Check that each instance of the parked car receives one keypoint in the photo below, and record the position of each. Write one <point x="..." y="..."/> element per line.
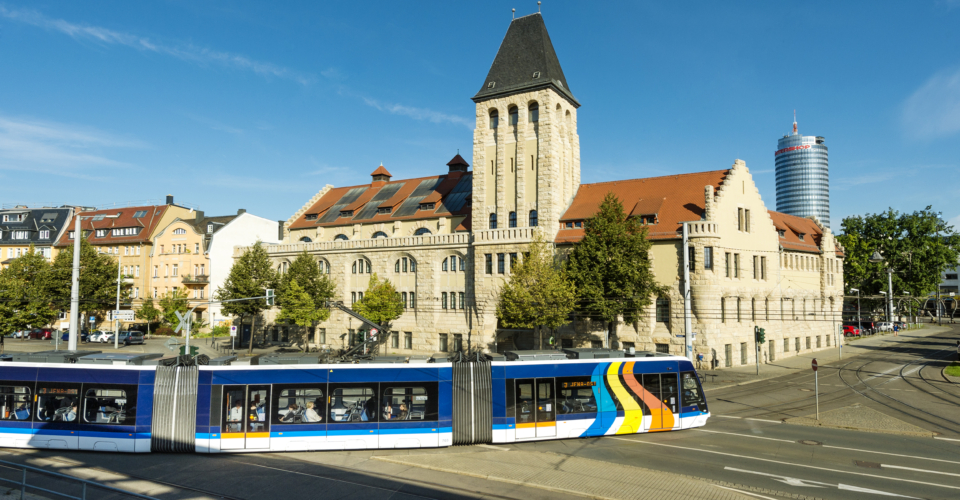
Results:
<point x="22" y="334"/>
<point x="105" y="337"/>
<point x="850" y="331"/>
<point x="41" y="333"/>
<point x="84" y="336"/>
<point x="133" y="337"/>
<point x="884" y="326"/>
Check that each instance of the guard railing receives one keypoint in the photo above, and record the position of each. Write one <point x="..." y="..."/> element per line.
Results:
<point x="84" y="484"/>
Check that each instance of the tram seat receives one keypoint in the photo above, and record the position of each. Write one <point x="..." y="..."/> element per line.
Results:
<point x="415" y="415"/>
<point x="22" y="414"/>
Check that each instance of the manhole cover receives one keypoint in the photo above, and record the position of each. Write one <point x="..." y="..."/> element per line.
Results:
<point x="807" y="390"/>
<point x="810" y="442"/>
<point x="869" y="465"/>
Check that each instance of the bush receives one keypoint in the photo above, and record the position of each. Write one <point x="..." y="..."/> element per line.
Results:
<point x="164" y="331"/>
<point x="953" y="370"/>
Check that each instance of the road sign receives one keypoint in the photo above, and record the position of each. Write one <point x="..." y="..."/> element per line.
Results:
<point x="122" y="315"/>
<point x="182" y="325"/>
<point x="93" y="319"/>
<point x="813" y="364"/>
<point x="233" y="331"/>
<point x="373" y="334"/>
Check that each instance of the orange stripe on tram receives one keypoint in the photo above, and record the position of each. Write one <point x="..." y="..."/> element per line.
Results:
<point x="658" y="410"/>
<point x="633" y="413"/>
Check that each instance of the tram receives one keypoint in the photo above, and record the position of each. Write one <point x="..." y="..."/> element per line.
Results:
<point x="391" y="402"/>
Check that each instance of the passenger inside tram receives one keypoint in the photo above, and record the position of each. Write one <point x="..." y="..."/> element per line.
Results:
<point x="404" y="414"/>
<point x="311" y="415"/>
<point x="293" y="411"/>
<point x="235" y="417"/>
<point x="388" y="412"/>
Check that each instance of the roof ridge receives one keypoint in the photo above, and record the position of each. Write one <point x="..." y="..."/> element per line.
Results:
<point x="658" y="177"/>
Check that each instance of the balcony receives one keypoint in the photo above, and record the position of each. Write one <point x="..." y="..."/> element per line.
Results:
<point x="200" y="279"/>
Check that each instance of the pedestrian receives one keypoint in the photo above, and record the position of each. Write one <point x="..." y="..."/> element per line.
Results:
<point x="699" y="361"/>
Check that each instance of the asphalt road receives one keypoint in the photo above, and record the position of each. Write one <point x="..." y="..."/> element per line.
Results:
<point x="746" y="443"/>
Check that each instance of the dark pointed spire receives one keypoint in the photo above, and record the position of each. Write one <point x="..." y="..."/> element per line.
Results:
<point x="526" y="61"/>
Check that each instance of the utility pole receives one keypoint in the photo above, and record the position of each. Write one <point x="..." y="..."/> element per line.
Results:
<point x="116" y="312"/>
<point x="75" y="289"/>
<point x="687" y="327"/>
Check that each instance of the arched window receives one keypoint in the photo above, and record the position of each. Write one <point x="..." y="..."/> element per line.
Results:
<point x="663" y="310"/>
<point x="359" y="265"/>
<point x="180" y="231"/>
<point x="514" y="115"/>
<point x="494" y="119"/>
<point x="306" y="239"/>
<point x="513" y="219"/>
<point x="340" y="237"/>
<point x="533" y="218"/>
<point x="421" y="232"/>
<point x="379" y="234"/>
<point x="493" y="221"/>
<point x="324" y="266"/>
<point x="534" y="111"/>
<point x="405" y="264"/>
<point x="443" y="265"/>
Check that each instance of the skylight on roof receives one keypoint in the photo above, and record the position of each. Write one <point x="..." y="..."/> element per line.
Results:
<point x="98" y="217"/>
<point x="139" y="214"/>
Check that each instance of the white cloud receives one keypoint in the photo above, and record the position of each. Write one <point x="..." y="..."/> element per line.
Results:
<point x="186" y="52"/>
<point x="418" y="113"/>
<point x="55" y="148"/>
<point x="934" y="109"/>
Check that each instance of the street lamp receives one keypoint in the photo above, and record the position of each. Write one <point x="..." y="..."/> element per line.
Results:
<point x="858" y="309"/>
<point x="75" y="286"/>
<point x="877" y="258"/>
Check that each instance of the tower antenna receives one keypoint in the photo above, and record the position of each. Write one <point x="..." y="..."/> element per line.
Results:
<point x="538" y="7"/>
<point x="794" y="122"/>
<point x="514" y="13"/>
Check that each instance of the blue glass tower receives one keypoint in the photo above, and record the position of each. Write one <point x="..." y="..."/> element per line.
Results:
<point x="803" y="177"/>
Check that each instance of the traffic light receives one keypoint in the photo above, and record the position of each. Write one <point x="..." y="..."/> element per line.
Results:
<point x="761" y="335"/>
<point x="270" y="297"/>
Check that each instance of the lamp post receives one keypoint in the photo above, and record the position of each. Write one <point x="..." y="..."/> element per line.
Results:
<point x="908" y="304"/>
<point x="75" y="281"/>
<point x="886" y="311"/>
<point x="877" y="258"/>
<point x="858" y="309"/>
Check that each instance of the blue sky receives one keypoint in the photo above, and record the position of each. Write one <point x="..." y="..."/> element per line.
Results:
<point x="257" y="105"/>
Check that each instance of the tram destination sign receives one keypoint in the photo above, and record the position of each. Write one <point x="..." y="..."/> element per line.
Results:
<point x="574" y="385"/>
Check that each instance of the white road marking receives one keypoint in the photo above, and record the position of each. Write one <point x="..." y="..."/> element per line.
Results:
<point x="745" y="492"/>
<point x="947" y="439"/>
<point x="700" y="450"/>
<point x="886" y="466"/>
<point x="840" y="447"/>
<point x="763" y="420"/>
<point x="725" y="416"/>
<point x="792" y="481"/>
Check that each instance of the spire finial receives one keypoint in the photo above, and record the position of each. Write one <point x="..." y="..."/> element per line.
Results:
<point x="514" y="13"/>
<point x="538" y="6"/>
<point x="794" y="122"/>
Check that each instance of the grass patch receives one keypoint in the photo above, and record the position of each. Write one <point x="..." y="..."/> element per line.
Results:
<point x="953" y="370"/>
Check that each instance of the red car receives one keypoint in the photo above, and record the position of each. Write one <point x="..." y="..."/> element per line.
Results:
<point x="41" y="334"/>
<point x="850" y="331"/>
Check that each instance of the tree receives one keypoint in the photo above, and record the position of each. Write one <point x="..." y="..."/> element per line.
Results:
<point x="610" y="267"/>
<point x="917" y="246"/>
<point x="148" y="313"/>
<point x="381" y="303"/>
<point x="24" y="302"/>
<point x="299" y="309"/>
<point x="250" y="276"/>
<point x="170" y="304"/>
<point x="302" y="281"/>
<point x="98" y="280"/>
<point x="538" y="293"/>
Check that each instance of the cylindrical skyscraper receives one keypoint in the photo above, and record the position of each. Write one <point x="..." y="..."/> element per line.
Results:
<point x="803" y="177"/>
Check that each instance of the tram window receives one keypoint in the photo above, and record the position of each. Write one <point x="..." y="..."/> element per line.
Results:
<point x="691" y="395"/>
<point x="299" y="405"/>
<point x="57" y="403"/>
<point x="409" y="403"/>
<point x="525" y="403"/>
<point x="352" y="404"/>
<point x="15" y="402"/>
<point x="110" y="405"/>
<point x="233" y="407"/>
<point x="576" y="395"/>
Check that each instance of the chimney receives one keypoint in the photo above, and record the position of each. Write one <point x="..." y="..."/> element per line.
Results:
<point x="241" y="211"/>
<point x="169" y="199"/>
<point x="199" y="215"/>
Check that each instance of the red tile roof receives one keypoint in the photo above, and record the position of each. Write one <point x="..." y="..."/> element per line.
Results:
<point x="381" y="171"/>
<point x="672" y="198"/>
<point x="792" y="226"/>
<point x="457" y="160"/>
<point x="148" y="222"/>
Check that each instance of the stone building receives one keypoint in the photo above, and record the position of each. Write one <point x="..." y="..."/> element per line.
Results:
<point x="448" y="241"/>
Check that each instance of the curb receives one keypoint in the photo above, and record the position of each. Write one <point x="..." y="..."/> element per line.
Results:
<point x="948" y="378"/>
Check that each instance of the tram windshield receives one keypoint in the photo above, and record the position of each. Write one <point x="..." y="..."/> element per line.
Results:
<point x="14" y="403"/>
<point x="691" y="394"/>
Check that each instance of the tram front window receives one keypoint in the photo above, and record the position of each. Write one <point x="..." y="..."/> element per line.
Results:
<point x="14" y="403"/>
<point x="691" y="394"/>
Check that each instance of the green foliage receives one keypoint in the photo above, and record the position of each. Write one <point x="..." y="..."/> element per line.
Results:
<point x="250" y="276"/>
<point x="539" y="292"/>
<point x="221" y="331"/>
<point x="918" y="246"/>
<point x="165" y="331"/>
<point x="98" y="280"/>
<point x="170" y="304"/>
<point x="381" y="303"/>
<point x="610" y="266"/>
<point x="305" y="272"/>
<point x="298" y="307"/>
<point x="148" y="313"/>
<point x="24" y="301"/>
<point x="953" y="370"/>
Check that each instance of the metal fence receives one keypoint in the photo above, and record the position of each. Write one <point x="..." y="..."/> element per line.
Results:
<point x="84" y="484"/>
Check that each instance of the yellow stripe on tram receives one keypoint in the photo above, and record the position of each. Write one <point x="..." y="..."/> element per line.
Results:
<point x="633" y="413"/>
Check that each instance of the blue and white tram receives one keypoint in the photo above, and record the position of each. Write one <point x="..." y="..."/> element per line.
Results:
<point x="243" y="408"/>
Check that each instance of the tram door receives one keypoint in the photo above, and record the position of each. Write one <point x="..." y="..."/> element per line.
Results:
<point x="246" y="417"/>
<point x="663" y="386"/>
<point x="536" y="408"/>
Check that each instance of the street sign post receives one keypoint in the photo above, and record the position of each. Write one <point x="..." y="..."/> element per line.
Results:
<point x="816" y="385"/>
<point x="122" y="315"/>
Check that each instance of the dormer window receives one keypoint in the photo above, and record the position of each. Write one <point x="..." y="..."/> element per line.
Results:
<point x="782" y="233"/>
<point x="801" y="236"/>
<point x="427" y="206"/>
<point x="346" y="213"/>
<point x="209" y="228"/>
<point x="648" y="219"/>
<point x="386" y="210"/>
<point x="310" y="217"/>
<point x="101" y="233"/>
<point x="14" y="217"/>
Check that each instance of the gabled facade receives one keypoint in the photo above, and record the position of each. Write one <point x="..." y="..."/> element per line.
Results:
<point x="448" y="242"/>
<point x="22" y="227"/>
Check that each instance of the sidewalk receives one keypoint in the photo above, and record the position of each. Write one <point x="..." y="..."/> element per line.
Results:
<point x="792" y="363"/>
